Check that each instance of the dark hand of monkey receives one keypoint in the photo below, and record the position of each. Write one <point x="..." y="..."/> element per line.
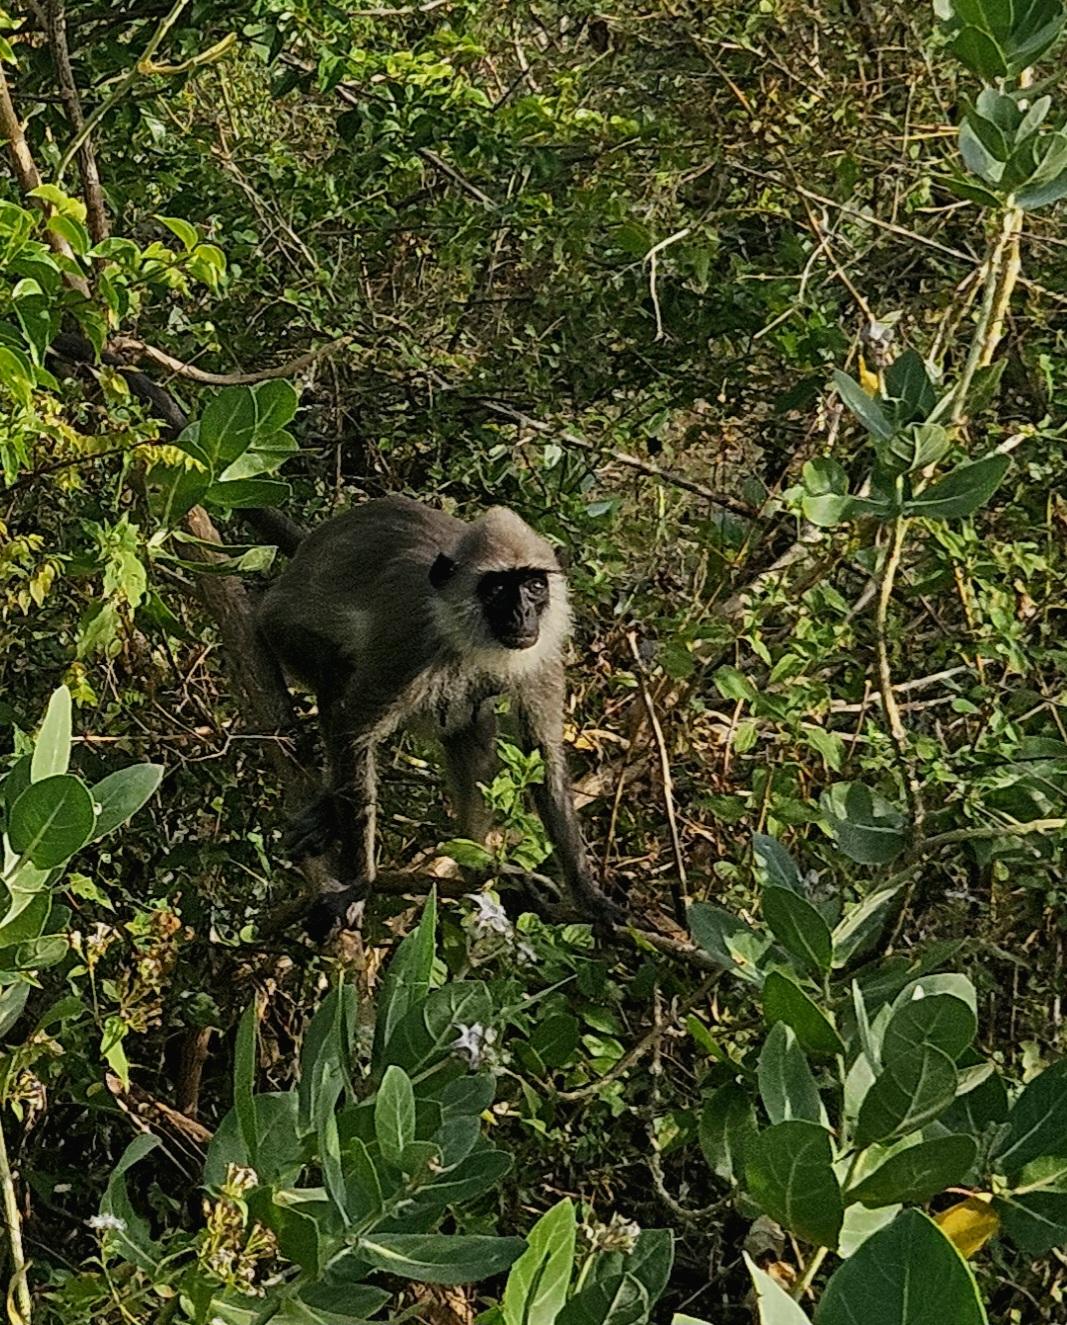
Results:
<point x="332" y="911"/>
<point x="314" y="830"/>
<point x="604" y="914"/>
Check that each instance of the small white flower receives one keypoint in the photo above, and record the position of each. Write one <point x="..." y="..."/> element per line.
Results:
<point x="104" y="1223"/>
<point x="489" y="917"/>
<point x="474" y="1042"/>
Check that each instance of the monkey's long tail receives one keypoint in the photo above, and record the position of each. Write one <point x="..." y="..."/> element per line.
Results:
<point x="276" y="528"/>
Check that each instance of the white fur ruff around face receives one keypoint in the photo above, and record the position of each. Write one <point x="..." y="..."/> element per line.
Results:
<point x="459" y="618"/>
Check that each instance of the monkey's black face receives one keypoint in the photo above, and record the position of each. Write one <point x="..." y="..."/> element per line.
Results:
<point x="513" y="601"/>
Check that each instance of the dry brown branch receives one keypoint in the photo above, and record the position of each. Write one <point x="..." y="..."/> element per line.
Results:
<point x="92" y="190"/>
<point x="130" y="345"/>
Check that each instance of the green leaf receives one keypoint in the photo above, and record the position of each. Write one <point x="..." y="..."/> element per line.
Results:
<point x="861" y="924"/>
<point x="921" y="1279"/>
<point x="120" y="795"/>
<point x="908" y="382"/>
<point x="12" y="1001"/>
<point x="732" y="684"/>
<point x="394" y="1114"/>
<point x="908" y="1093"/>
<point x="866" y="409"/>
<point x="784" y="1000"/>
<point x="623" y="1300"/>
<point x="428" y="1033"/>
<point x="16" y="373"/>
<point x="228" y="424"/>
<point x="131" y="1240"/>
<point x="407" y="978"/>
<point x="727" y="1127"/>
<point x="774" y="1304"/>
<point x="797" y="925"/>
<point x="51" y="751"/>
<point x="244" y="1076"/>
<point x="729" y="940"/>
<point x="325" y="1054"/>
<point x="238" y="493"/>
<point x="917" y="1174"/>
<point x="939" y="1019"/>
<point x="1035" y="1221"/>
<point x="961" y="492"/>
<point x="435" y="1258"/>
<point x="52" y="820"/>
<point x="555" y="1039"/>
<point x="786" y="1085"/>
<point x="1037" y="1124"/>
<point x="775" y="865"/>
<point x="790" y="1174"/>
<point x="280" y="1148"/>
<point x="539" y="1280"/>
<point x="868" y="829"/>
<point x="183" y="230"/>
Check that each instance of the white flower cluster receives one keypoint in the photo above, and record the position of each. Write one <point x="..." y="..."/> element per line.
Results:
<point x="489" y="923"/>
<point x="476" y="1043"/>
<point x="106" y="1223"/>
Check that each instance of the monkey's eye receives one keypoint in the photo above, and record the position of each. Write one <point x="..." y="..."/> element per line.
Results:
<point x="537" y="587"/>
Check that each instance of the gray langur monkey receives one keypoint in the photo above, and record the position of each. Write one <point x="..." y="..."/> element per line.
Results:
<point x="395" y="614"/>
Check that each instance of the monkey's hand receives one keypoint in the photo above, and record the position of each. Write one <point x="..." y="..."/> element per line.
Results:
<point x="342" y="909"/>
<point x="314" y="830"/>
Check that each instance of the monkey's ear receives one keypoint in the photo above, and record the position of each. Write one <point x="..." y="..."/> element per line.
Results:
<point x="442" y="571"/>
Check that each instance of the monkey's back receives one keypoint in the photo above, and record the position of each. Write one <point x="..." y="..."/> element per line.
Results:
<point x="371" y="563"/>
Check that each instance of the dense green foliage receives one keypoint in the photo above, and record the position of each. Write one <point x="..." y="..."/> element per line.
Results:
<point x="757" y="310"/>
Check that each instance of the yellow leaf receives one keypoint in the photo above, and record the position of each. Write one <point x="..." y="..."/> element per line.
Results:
<point x="969" y="1224"/>
<point x="870" y="382"/>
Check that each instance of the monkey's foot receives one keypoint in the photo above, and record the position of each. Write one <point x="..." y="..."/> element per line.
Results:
<point x="604" y="914"/>
<point x="313" y="831"/>
<point x="331" y="911"/>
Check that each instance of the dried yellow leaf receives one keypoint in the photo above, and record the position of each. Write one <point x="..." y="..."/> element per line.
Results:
<point x="969" y="1224"/>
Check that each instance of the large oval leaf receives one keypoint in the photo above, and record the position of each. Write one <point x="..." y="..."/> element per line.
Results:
<point x="961" y="492"/>
<point x="918" y="1173"/>
<point x="939" y="1019"/>
<point x="909" y="1093"/>
<point x="797" y="925"/>
<point x="790" y="1173"/>
<point x="1037" y="1124"/>
<point x="121" y="794"/>
<point x="436" y="1258"/>
<point x="52" y="820"/>
<point x="784" y="1000"/>
<point x="906" y="1274"/>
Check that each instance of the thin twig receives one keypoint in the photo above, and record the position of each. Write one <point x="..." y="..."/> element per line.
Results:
<point x="13" y="1218"/>
<point x="679" y="885"/>
<point x="124" y="85"/>
<point x="92" y="189"/>
<point x="652" y="258"/>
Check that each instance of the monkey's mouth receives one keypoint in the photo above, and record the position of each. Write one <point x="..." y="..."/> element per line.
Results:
<point x="518" y="640"/>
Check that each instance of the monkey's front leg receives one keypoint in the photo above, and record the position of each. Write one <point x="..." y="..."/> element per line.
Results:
<point x="555" y="804"/>
<point x="470" y="760"/>
<point x="354" y="798"/>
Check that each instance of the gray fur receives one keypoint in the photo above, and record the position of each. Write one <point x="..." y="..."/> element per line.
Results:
<point x="355" y="618"/>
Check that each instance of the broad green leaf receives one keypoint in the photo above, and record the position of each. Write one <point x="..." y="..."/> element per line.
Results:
<point x="407" y="977"/>
<point x="774" y="1304"/>
<point x="477" y="1174"/>
<point x="786" y="1085"/>
<point x="429" y="1031"/>
<point x="908" y="382"/>
<point x="860" y="1224"/>
<point x="729" y="940"/>
<point x="1037" y="1124"/>
<point x="538" y="1281"/>
<point x="774" y="865"/>
<point x="276" y="403"/>
<point x="131" y="1238"/>
<point x="555" y="1039"/>
<point x="824" y="475"/>
<point x="281" y="1152"/>
<point x="244" y="1076"/>
<point x="906" y="1274"/>
<point x="623" y="1300"/>
<point x="961" y="492"/>
<point x="12" y="1001"/>
<point x="917" y="1174"/>
<point x="436" y="1258"/>
<point x="868" y="829"/>
<point x="120" y="795"/>
<point x="238" y="493"/>
<point x="51" y="750"/>
<point x="784" y="1000"/>
<point x="797" y="925"/>
<point x="732" y="684"/>
<point x="868" y="410"/>
<point x="52" y="820"/>
<point x="907" y="1094"/>
<point x="1036" y="1221"/>
<point x="16" y="373"/>
<point x="727" y="1126"/>
<point x="325" y="1054"/>
<point x="394" y="1114"/>
<point x="861" y="924"/>
<point x="790" y="1174"/>
<point x="939" y="1019"/>
<point x="228" y="424"/>
<point x="185" y="232"/>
